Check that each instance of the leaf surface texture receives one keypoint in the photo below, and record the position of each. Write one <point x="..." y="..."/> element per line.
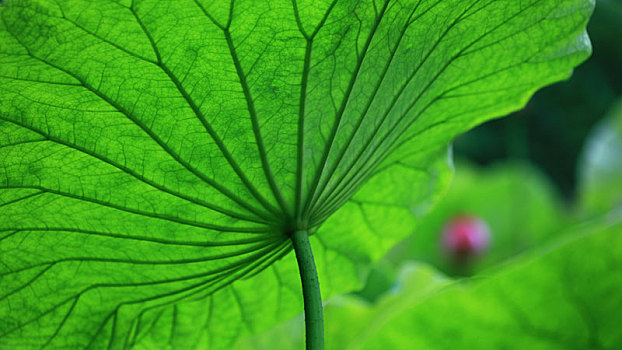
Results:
<point x="154" y="152"/>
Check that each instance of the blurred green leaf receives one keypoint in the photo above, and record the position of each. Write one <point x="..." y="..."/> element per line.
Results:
<point x="600" y="168"/>
<point x="568" y="298"/>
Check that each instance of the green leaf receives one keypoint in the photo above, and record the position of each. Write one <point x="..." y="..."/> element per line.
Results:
<point x="600" y="167"/>
<point x="254" y="305"/>
<point x="563" y="297"/>
<point x="563" y="300"/>
<point x="155" y="152"/>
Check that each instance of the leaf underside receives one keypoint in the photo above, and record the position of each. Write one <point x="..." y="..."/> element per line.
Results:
<point x="154" y="152"/>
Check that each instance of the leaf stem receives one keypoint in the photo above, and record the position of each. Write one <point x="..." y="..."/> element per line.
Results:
<point x="314" y="323"/>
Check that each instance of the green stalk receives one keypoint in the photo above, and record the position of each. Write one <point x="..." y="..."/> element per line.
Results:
<point x="314" y="323"/>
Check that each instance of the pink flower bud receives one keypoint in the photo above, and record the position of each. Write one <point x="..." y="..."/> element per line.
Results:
<point x="465" y="236"/>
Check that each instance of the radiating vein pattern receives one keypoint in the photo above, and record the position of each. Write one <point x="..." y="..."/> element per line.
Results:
<point x="152" y="153"/>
